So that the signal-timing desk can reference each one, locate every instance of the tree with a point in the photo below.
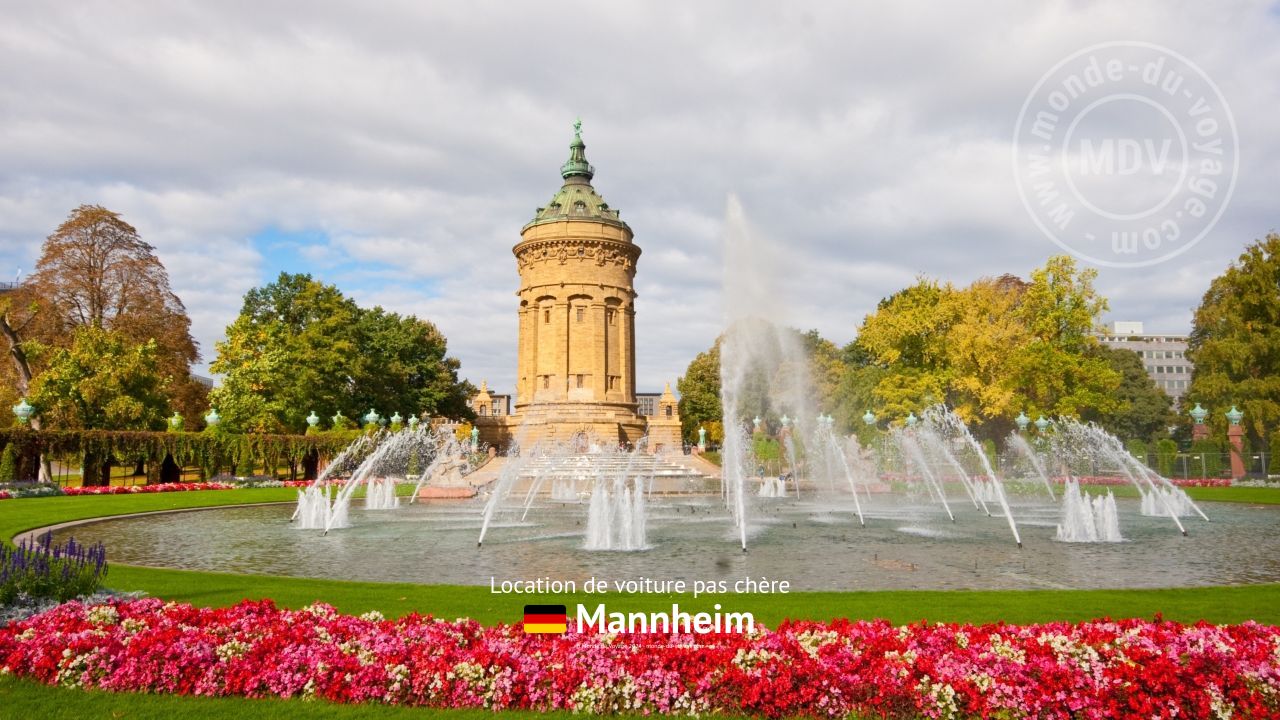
(103, 380)
(1235, 341)
(767, 384)
(299, 345)
(96, 271)
(700, 392)
(1053, 370)
(989, 350)
(1143, 410)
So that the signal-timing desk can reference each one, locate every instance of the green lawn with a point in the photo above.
(26, 699)
(1217, 604)
(1250, 495)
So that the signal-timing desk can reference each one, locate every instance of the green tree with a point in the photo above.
(103, 381)
(1053, 370)
(299, 345)
(856, 393)
(991, 349)
(1142, 410)
(700, 392)
(1235, 341)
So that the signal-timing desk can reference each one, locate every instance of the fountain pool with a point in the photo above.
(814, 543)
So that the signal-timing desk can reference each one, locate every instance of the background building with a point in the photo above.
(1164, 356)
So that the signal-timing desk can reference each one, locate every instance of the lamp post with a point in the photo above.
(1042, 424)
(313, 419)
(1022, 421)
(396, 420)
(1235, 436)
(213, 418)
(371, 418)
(1198, 429)
(23, 411)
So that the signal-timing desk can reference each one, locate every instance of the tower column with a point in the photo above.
(599, 366)
(560, 321)
(628, 337)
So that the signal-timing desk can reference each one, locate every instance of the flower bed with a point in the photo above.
(1098, 669)
(40, 569)
(135, 489)
(1180, 482)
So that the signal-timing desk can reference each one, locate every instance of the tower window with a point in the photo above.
(610, 316)
(668, 409)
(579, 379)
(546, 316)
(581, 314)
(546, 382)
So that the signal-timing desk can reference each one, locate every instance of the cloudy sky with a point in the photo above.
(395, 149)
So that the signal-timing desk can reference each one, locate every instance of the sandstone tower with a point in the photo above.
(577, 347)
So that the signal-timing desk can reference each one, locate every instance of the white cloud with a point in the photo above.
(870, 142)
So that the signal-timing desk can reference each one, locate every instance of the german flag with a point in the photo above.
(545, 619)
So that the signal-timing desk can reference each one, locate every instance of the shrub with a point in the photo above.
(993, 455)
(1210, 453)
(8, 464)
(1166, 456)
(1138, 449)
(41, 569)
(1273, 464)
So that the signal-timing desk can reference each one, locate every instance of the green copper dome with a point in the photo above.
(577, 199)
(577, 163)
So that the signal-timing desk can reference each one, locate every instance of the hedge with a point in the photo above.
(164, 453)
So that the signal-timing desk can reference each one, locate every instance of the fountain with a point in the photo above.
(373, 461)
(772, 487)
(616, 518)
(946, 423)
(763, 364)
(1161, 501)
(615, 482)
(1092, 448)
(1088, 519)
(1020, 447)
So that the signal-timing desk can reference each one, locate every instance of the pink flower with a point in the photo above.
(1095, 669)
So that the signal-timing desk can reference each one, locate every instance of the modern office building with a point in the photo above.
(1163, 355)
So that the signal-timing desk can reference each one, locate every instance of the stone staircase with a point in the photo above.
(668, 473)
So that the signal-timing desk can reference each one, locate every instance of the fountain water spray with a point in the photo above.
(379, 458)
(949, 425)
(763, 364)
(1089, 445)
(619, 481)
(1086, 519)
(1019, 445)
